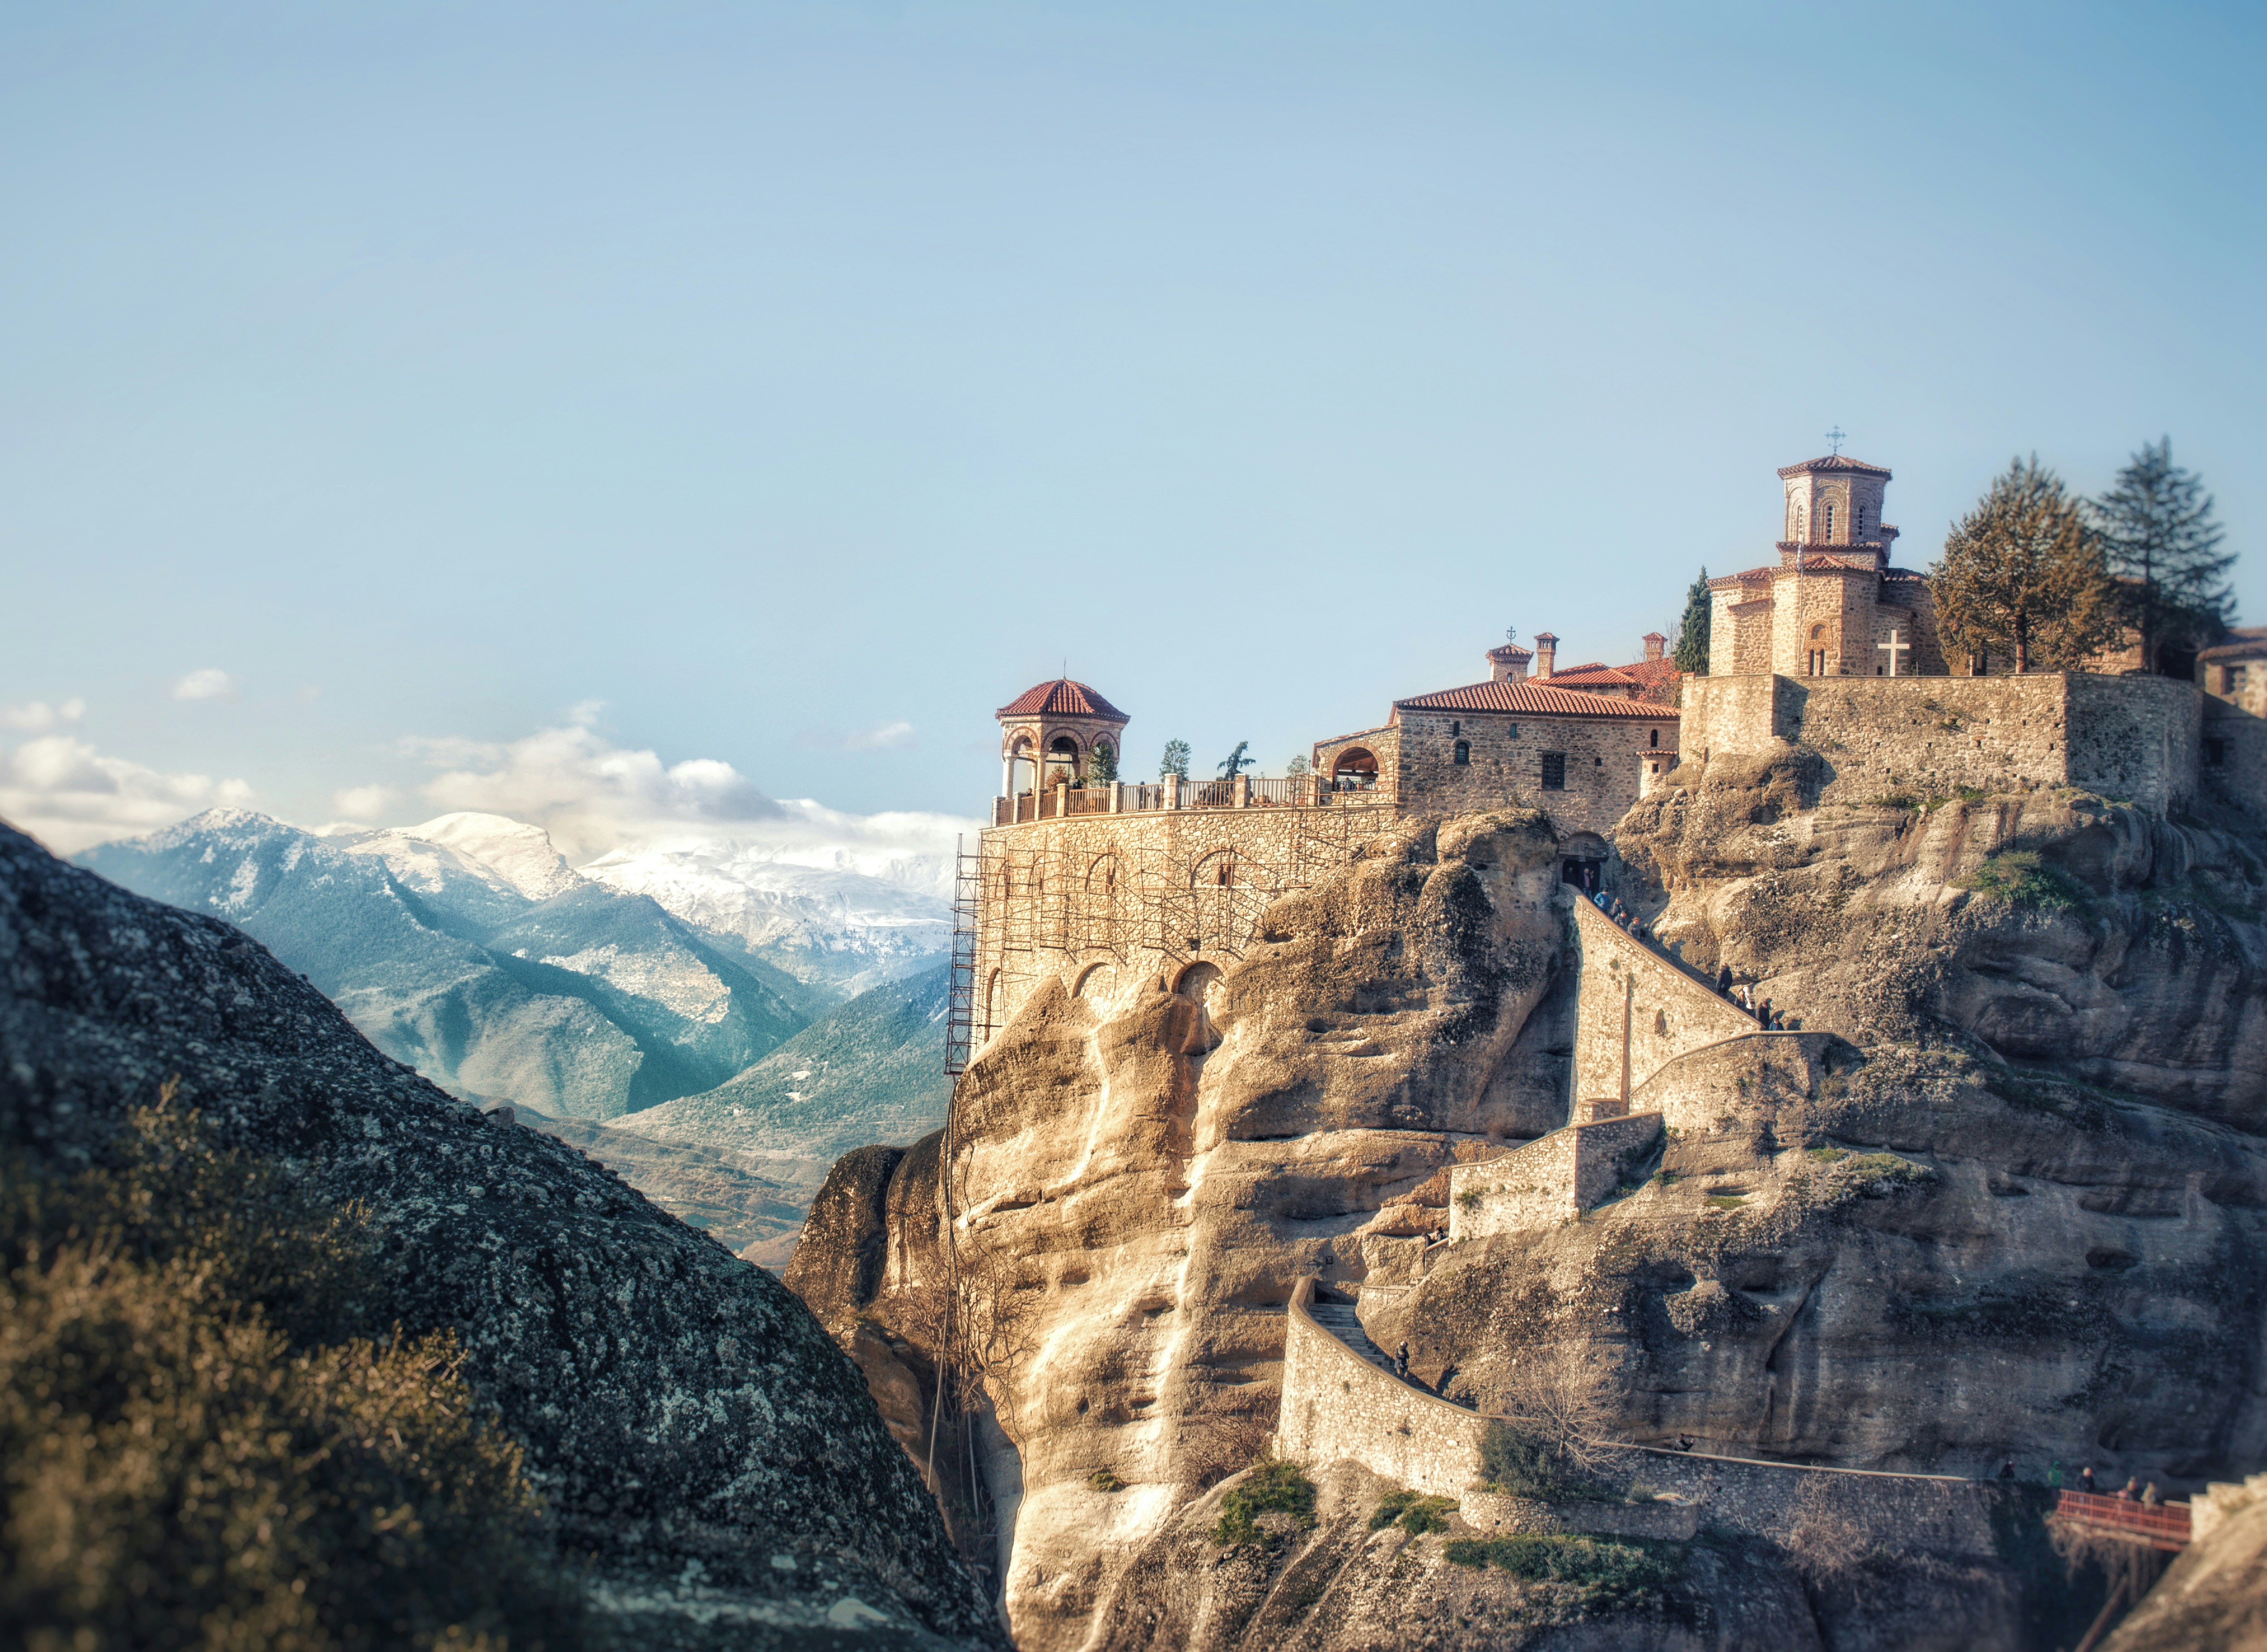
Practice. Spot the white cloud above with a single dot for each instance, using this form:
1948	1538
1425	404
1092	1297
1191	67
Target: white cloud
69	797
362	803
37	716
596	798
208	684
891	737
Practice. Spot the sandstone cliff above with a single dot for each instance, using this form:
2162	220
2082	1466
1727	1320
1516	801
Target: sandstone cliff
708	1458
2004	1196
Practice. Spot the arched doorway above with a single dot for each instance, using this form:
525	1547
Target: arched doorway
1582	861
1353	769
1062	760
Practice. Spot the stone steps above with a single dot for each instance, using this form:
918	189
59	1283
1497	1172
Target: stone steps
1340	1320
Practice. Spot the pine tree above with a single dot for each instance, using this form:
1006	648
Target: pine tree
2024	572
1175	764
1692	654
1101	763
2157	526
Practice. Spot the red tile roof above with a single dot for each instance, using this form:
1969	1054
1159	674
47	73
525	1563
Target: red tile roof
1509	651
1061	698
1532	698
2243	642
1835	461
1591	676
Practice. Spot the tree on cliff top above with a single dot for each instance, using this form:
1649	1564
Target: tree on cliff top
2024	572
2163	543
1175	763
1691	653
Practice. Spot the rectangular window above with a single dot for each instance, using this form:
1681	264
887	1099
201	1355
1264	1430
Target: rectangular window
1512	733
2236	679
2215	752
1554	771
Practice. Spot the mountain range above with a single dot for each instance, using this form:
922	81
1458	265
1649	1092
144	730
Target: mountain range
648	989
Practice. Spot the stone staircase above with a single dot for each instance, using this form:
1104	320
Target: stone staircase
1340	1320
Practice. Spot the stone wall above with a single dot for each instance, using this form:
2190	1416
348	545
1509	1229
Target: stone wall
1671	1012
1550	1179
1934	1514
1337	1406
1604	756
2237	739
2134	738
1105	900
1699	1093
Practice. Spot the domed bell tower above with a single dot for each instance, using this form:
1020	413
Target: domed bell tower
1060	730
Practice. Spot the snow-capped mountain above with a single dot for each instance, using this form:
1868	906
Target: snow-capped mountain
588	1004
813	912
518	854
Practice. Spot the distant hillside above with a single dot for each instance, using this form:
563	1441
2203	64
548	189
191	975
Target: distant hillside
871	1070
756	1217
587	1004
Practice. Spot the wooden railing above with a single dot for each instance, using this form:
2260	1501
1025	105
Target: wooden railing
1294	791
2158	1525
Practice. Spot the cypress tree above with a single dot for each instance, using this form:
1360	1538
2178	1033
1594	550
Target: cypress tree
2163	543
1691	652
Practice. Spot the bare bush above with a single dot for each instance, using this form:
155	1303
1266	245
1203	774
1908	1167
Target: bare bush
1830	1544
1226	1444
1566	1398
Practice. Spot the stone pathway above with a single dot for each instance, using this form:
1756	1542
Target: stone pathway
1340	1320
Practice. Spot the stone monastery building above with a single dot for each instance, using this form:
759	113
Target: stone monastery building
1088	886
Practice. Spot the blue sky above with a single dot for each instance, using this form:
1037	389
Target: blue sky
781	388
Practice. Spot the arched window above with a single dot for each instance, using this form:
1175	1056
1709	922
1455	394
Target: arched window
1830	521
1353	769
1463	753
1062	759
1653	738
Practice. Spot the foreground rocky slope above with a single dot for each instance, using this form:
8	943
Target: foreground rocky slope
709	1460
2009	1200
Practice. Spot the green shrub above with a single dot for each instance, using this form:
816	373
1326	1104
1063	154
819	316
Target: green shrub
1603	1573
1413	1513
1895	800
1279	1487
2019	878
1827	1154
1522	1464
1103	1480
197	1452
1726	1201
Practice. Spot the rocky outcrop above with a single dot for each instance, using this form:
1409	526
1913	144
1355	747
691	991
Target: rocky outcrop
708	1457
2003	1195
2215	1594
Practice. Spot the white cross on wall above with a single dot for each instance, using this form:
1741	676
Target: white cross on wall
1893	648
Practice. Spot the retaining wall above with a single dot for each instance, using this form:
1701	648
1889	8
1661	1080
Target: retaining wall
2135	737
1339	1407
1937	1514
1550	1179
1699	1092
1671	1012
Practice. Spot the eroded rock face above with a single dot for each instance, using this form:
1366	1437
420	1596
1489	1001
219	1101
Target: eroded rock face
2004	1198
2144	973
705	1450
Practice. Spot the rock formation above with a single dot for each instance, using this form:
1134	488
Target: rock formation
708	1458
2004	1195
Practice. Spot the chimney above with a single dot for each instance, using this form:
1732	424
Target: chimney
1546	647
1653	642
1506	663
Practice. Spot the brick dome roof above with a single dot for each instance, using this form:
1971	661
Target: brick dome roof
1061	698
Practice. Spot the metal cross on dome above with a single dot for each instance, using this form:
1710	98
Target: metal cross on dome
1838	436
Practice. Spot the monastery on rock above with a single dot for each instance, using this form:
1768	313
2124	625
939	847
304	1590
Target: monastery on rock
1830	650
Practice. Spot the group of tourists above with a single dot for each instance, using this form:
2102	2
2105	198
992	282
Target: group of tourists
1611	905
1744	996
2132	1492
